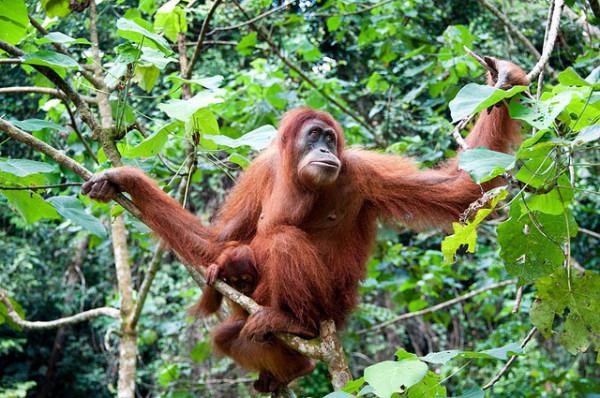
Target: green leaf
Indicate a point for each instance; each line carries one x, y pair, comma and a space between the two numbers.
257, 139
211, 83
154, 57
132, 31
30, 205
200, 352
388, 377
146, 76
540, 114
339, 394
56, 8
51, 59
72, 209
440, 358
502, 353
151, 145
149, 337
24, 167
472, 98
184, 109
334, 22
484, 164
581, 297
13, 20
428, 387
58, 37
204, 122
36, 125
588, 134
170, 19
353, 386
569, 77
472, 393
529, 253
466, 234
247, 43
168, 374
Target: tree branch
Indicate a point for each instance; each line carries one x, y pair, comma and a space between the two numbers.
552, 30
513, 29
250, 21
45, 325
438, 307
42, 90
10, 61
510, 361
200, 41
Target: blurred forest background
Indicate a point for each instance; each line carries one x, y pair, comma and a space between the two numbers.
387, 71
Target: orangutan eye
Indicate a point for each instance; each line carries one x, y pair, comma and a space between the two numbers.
330, 138
314, 134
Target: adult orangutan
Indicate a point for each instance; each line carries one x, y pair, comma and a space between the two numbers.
301, 221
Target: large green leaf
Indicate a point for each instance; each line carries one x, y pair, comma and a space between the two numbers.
131, 30
56, 8
13, 20
531, 244
256, 139
580, 295
72, 209
390, 377
484, 164
24, 167
472, 98
170, 19
184, 109
51, 59
540, 114
588, 134
151, 145
59, 37
30, 205
36, 125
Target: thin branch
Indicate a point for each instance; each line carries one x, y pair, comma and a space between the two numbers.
510, 361
360, 11
456, 132
550, 40
85, 143
518, 299
45, 325
200, 41
580, 20
41, 90
250, 21
590, 233
438, 307
513, 29
265, 37
37, 187
60, 158
10, 61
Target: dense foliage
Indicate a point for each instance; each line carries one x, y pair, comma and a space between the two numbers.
396, 75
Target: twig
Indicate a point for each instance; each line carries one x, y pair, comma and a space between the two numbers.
360, 11
85, 143
201, 36
456, 132
518, 299
61, 158
580, 20
10, 61
36, 187
589, 232
264, 36
250, 21
551, 39
45, 325
438, 307
41, 90
513, 29
510, 361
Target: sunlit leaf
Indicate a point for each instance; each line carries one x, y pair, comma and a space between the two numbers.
72, 209
472, 98
13, 20
256, 139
